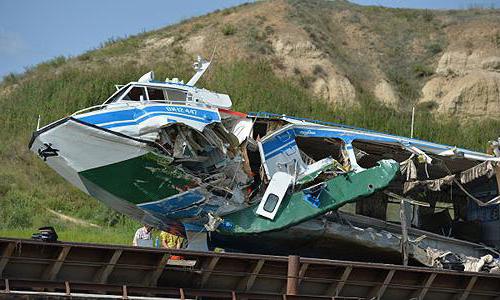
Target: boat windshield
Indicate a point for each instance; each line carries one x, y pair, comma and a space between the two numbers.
117, 95
138, 93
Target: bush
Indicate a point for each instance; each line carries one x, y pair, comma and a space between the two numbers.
57, 61
496, 39
10, 78
407, 88
319, 71
197, 26
434, 48
84, 57
427, 105
428, 15
257, 40
228, 29
422, 70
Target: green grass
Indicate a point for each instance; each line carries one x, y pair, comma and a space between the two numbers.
115, 236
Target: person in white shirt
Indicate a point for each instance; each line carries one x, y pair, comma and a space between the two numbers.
143, 233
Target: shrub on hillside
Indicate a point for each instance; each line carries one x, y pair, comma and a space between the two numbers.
10, 78
434, 48
228, 29
421, 70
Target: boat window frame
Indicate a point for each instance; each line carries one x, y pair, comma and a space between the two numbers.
121, 91
128, 91
165, 90
271, 200
158, 88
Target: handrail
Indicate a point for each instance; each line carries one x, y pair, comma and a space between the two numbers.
187, 103
89, 108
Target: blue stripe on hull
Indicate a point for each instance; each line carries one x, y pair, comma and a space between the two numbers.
137, 115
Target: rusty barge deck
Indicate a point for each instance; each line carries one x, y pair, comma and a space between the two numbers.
80, 270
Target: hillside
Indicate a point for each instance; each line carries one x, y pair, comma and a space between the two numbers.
330, 60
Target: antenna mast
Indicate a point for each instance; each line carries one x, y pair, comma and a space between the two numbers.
412, 121
200, 66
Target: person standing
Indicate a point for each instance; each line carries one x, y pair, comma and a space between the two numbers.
143, 233
171, 241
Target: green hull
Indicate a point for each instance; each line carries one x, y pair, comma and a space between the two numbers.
146, 178
294, 209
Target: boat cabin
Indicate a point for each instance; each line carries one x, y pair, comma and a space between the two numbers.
168, 92
142, 92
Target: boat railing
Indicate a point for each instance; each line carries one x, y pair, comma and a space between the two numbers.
187, 103
100, 106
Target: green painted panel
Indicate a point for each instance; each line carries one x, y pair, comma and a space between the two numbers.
146, 178
294, 209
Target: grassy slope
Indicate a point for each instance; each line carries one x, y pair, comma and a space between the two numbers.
61, 86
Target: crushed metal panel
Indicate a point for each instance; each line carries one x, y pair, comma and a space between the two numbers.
280, 153
295, 209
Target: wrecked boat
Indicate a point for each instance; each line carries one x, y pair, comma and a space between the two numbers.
175, 156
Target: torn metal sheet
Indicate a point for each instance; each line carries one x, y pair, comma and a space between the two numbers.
357, 238
486, 168
440, 259
433, 185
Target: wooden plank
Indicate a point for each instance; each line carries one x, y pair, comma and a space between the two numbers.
55, 267
469, 287
208, 271
427, 285
6, 254
106, 271
336, 288
156, 274
247, 282
378, 291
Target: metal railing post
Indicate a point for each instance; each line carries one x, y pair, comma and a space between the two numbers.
293, 274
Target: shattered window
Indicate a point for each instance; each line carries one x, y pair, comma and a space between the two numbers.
271, 202
156, 94
135, 94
